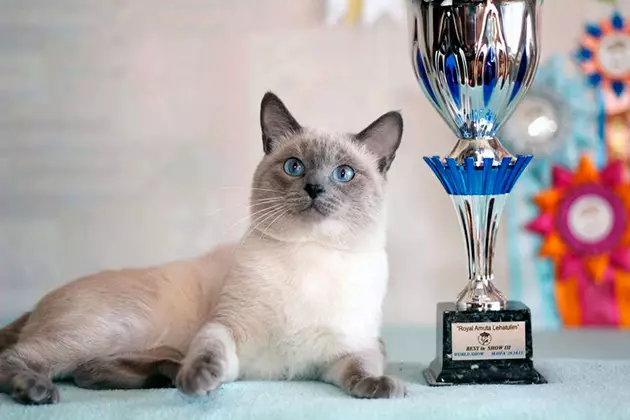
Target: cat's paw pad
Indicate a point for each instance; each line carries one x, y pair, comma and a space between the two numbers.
28, 388
200, 376
379, 387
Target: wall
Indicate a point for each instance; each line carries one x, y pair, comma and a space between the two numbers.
129, 133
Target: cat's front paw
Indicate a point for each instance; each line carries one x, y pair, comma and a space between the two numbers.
379, 387
200, 376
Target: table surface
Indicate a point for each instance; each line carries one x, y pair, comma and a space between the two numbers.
417, 344
578, 390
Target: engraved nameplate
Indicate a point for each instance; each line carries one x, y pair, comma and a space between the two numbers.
488, 340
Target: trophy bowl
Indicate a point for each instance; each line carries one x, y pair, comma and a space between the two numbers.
475, 61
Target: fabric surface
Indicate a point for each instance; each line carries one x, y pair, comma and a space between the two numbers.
577, 389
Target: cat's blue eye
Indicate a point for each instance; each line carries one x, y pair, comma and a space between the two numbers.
343, 173
293, 167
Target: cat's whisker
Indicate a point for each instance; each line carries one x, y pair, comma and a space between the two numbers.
248, 188
249, 229
252, 229
273, 207
274, 221
262, 217
248, 206
272, 203
287, 201
266, 189
270, 199
249, 216
256, 216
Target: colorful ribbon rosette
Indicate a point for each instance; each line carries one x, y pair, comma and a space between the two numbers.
586, 233
604, 57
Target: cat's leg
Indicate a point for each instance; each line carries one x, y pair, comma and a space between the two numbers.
361, 375
51, 348
155, 368
211, 361
23, 377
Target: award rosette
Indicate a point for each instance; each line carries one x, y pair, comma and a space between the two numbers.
584, 224
604, 56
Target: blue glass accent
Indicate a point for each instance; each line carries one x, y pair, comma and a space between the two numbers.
437, 174
502, 175
617, 21
584, 54
519, 167
456, 176
468, 179
489, 76
488, 180
593, 30
618, 87
595, 79
520, 76
452, 78
475, 181
423, 76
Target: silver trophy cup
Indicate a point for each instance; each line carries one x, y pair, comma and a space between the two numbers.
475, 60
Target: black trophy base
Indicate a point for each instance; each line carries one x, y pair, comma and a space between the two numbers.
483, 347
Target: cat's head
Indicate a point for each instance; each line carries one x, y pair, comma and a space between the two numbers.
320, 186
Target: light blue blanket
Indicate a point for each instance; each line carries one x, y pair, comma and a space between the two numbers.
578, 389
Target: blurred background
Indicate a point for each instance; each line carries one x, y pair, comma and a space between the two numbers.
129, 131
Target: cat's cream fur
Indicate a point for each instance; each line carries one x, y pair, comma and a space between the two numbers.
299, 297
310, 304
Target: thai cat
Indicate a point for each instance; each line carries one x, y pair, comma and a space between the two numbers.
298, 298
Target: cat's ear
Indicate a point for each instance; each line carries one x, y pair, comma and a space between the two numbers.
382, 138
275, 121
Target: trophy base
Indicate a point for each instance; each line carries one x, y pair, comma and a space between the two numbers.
484, 347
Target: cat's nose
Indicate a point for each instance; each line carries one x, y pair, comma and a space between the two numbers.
313, 190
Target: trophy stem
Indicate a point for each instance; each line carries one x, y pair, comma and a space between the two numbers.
479, 190
479, 217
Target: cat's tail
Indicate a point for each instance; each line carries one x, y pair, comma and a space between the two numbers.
10, 334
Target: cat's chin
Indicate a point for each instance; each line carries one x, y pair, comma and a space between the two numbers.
315, 212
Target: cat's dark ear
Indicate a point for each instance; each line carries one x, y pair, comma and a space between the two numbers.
382, 138
275, 121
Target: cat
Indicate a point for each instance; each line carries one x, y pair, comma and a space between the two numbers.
299, 297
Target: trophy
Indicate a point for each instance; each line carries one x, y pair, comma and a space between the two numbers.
475, 60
